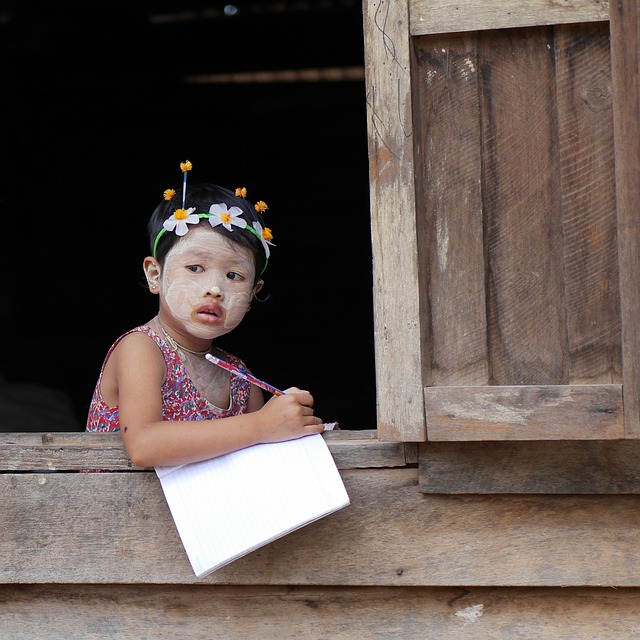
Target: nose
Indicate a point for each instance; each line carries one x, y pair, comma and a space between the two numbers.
213, 291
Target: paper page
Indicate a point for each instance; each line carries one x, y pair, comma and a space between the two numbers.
228, 506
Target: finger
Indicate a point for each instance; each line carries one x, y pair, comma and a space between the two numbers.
295, 390
302, 396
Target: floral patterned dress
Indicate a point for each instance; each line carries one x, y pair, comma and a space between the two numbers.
180, 398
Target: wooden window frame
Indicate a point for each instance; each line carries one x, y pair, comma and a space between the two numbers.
400, 296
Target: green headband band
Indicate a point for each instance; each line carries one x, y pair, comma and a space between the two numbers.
201, 216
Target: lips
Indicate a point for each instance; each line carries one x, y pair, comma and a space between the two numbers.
209, 312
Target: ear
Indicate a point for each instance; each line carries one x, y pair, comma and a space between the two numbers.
256, 289
152, 271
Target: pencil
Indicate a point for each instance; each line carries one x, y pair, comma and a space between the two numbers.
243, 374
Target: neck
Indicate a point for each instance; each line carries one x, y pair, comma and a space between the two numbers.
176, 345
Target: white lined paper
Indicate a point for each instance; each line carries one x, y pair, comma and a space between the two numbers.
228, 506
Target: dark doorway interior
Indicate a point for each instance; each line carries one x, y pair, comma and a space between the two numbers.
103, 100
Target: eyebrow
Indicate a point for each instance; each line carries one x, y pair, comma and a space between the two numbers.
207, 258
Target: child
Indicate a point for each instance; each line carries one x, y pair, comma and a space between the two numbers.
170, 404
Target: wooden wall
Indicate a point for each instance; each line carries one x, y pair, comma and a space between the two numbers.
97, 556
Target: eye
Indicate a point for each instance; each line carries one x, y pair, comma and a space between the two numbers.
232, 275
195, 268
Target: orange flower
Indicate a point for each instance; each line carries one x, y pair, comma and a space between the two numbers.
186, 166
266, 234
241, 192
169, 193
261, 206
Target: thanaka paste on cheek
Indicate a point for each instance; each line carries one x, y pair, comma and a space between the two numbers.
184, 292
237, 306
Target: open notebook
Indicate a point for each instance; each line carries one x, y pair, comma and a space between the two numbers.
228, 506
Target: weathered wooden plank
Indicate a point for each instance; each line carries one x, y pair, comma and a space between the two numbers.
62, 451
625, 71
131, 612
592, 467
587, 183
525, 287
116, 528
396, 290
351, 451
527, 412
77, 451
449, 157
438, 16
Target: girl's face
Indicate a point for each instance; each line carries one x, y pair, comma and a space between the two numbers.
206, 283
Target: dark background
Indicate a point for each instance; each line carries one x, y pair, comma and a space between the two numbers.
101, 103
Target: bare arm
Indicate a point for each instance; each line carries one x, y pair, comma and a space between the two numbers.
138, 370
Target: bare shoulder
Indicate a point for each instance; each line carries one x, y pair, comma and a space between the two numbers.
137, 339
137, 353
138, 344
136, 360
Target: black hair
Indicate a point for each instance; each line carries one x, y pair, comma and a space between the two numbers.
201, 197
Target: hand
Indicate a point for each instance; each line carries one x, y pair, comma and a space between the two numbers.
289, 416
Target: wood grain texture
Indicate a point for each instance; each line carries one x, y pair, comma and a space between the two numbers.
525, 412
72, 528
625, 69
79, 451
525, 284
588, 203
396, 289
592, 467
133, 612
436, 16
450, 194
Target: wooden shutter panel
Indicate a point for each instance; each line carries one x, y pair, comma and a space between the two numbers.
495, 224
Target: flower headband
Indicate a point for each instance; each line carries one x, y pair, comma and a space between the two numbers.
218, 214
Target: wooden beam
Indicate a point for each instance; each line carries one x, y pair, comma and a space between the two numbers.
101, 528
525, 412
396, 289
588, 467
625, 69
79, 451
437, 16
131, 612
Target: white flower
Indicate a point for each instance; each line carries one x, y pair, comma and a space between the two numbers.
180, 219
219, 214
260, 232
